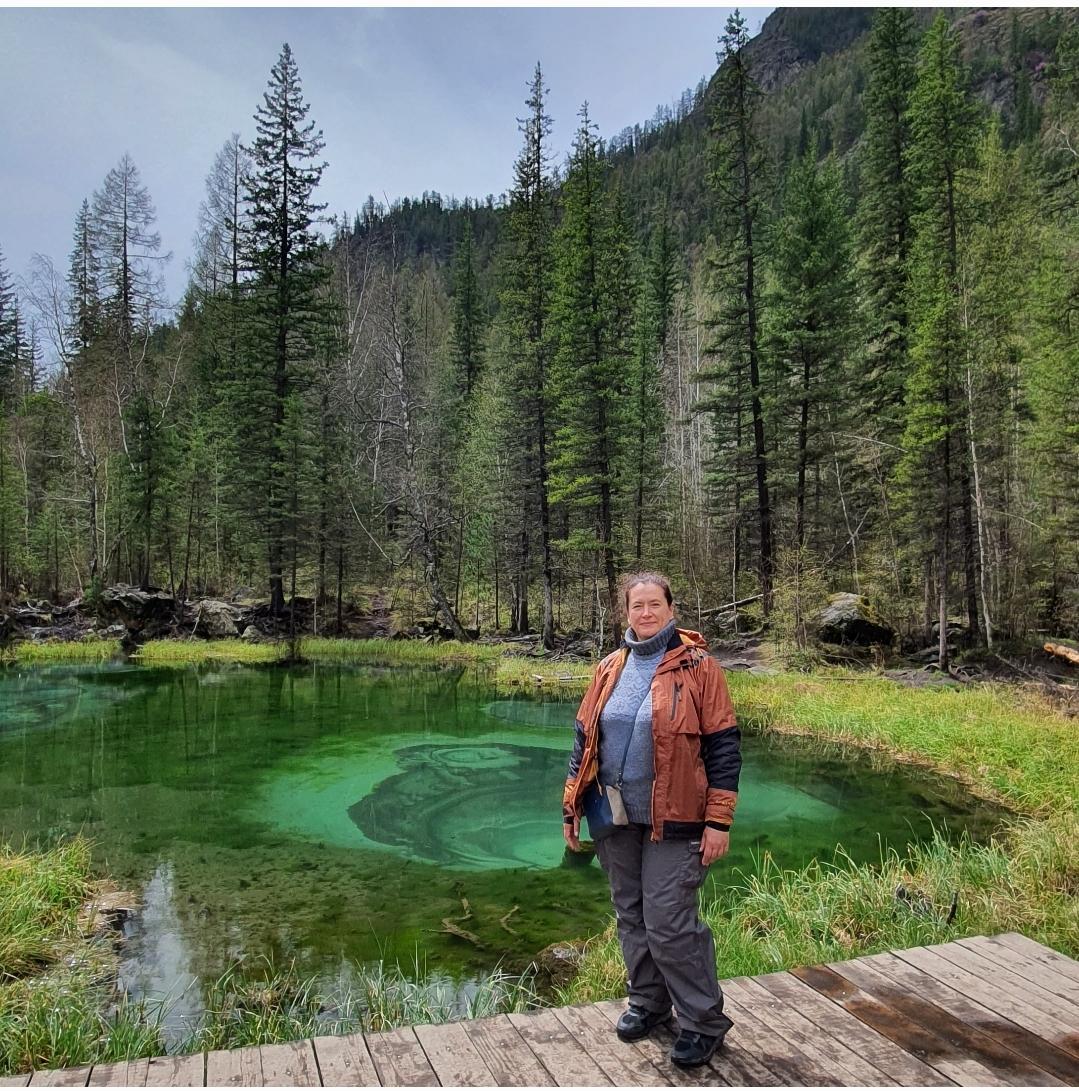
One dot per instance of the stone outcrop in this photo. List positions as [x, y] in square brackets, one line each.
[214, 619]
[850, 619]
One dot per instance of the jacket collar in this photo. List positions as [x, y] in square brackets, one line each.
[678, 645]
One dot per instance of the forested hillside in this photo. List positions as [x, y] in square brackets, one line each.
[813, 328]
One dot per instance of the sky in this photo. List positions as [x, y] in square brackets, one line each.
[409, 99]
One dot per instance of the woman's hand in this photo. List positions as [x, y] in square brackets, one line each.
[714, 844]
[572, 833]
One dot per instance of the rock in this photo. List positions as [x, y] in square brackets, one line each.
[557, 964]
[252, 635]
[932, 654]
[849, 619]
[134, 607]
[214, 618]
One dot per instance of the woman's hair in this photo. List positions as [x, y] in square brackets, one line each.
[633, 579]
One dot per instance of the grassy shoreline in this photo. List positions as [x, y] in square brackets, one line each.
[1008, 746]
[1012, 748]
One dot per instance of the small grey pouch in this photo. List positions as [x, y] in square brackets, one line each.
[618, 808]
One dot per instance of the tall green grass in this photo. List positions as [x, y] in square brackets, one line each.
[55, 980]
[1026, 880]
[320, 649]
[1007, 744]
[1012, 747]
[91, 650]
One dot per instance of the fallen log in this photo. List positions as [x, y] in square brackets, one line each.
[1062, 651]
[730, 605]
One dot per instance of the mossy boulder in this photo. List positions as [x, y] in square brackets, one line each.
[851, 619]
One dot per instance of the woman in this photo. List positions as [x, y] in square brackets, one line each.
[655, 768]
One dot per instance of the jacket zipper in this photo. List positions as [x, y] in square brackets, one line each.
[674, 703]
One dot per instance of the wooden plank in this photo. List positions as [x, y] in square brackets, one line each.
[1008, 1068]
[896, 1063]
[289, 1064]
[1032, 948]
[623, 1066]
[1047, 1057]
[506, 1053]
[119, 1074]
[1007, 1001]
[188, 1070]
[456, 1061]
[793, 1065]
[234, 1067]
[61, 1077]
[15, 1081]
[559, 1053]
[656, 1050]
[1036, 972]
[832, 1054]
[1013, 989]
[344, 1061]
[399, 1059]
[908, 1035]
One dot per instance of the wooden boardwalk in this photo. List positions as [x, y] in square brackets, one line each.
[977, 1012]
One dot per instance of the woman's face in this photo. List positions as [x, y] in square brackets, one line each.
[647, 610]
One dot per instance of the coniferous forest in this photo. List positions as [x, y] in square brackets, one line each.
[813, 329]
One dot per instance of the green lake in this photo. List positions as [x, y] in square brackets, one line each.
[339, 814]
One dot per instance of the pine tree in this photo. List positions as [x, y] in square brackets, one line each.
[934, 467]
[738, 176]
[885, 210]
[282, 252]
[592, 310]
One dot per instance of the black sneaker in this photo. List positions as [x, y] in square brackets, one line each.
[693, 1049]
[635, 1023]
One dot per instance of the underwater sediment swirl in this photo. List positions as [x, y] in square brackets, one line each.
[479, 806]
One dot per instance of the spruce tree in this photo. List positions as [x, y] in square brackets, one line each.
[282, 253]
[810, 313]
[738, 176]
[594, 297]
[10, 340]
[652, 324]
[84, 284]
[935, 467]
[467, 316]
[885, 210]
[524, 328]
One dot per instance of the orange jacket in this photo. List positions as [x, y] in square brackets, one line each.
[694, 734]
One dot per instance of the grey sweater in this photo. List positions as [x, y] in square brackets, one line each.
[627, 719]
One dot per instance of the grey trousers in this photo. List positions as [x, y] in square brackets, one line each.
[669, 951]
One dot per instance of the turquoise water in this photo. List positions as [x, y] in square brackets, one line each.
[333, 814]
